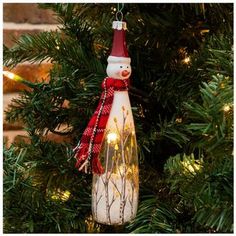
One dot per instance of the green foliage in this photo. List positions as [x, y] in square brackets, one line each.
[205, 182]
[206, 190]
[34, 177]
[153, 217]
[183, 112]
[211, 123]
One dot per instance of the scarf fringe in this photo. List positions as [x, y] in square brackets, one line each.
[89, 159]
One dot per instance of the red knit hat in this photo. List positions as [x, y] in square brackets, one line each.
[119, 49]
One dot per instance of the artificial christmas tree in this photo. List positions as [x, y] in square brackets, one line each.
[182, 102]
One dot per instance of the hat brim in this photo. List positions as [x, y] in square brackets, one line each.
[118, 59]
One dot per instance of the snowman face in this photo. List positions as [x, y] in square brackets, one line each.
[119, 69]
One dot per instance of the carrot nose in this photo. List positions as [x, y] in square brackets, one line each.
[125, 73]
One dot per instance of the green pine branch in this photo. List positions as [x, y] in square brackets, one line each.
[36, 176]
[153, 217]
[211, 123]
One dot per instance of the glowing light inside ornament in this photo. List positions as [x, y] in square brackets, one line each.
[111, 137]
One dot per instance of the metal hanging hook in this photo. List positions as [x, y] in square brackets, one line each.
[119, 11]
[122, 6]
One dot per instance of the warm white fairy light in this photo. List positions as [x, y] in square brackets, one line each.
[179, 120]
[9, 74]
[12, 76]
[226, 108]
[203, 31]
[111, 137]
[186, 60]
[61, 195]
[192, 167]
[65, 195]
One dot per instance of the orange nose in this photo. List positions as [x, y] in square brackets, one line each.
[125, 73]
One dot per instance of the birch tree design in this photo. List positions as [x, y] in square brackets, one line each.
[115, 193]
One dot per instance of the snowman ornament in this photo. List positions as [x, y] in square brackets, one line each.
[108, 145]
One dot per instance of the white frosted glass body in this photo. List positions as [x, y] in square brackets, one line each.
[115, 193]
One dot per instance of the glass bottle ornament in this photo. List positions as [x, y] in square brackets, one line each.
[115, 192]
[108, 146]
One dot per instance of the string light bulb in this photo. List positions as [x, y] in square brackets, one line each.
[190, 165]
[178, 120]
[111, 137]
[226, 108]
[61, 195]
[186, 60]
[13, 76]
[17, 78]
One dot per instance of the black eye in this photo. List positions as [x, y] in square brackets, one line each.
[121, 66]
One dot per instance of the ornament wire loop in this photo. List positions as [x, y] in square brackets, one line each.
[119, 12]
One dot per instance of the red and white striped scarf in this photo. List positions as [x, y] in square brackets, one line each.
[88, 149]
